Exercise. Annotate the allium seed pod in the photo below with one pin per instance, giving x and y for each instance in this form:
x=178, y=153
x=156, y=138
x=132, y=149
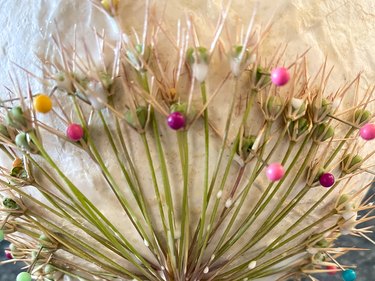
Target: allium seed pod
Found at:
x=298, y=129
x=63, y=82
x=24, y=142
x=295, y=109
x=320, y=109
x=237, y=63
x=351, y=163
x=272, y=107
x=323, y=132
x=9, y=203
x=141, y=114
x=15, y=118
x=198, y=59
x=361, y=117
x=246, y=147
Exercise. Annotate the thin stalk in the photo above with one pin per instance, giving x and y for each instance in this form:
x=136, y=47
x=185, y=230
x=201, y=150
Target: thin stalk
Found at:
x=339, y=147
x=266, y=227
x=131, y=185
x=185, y=231
x=271, y=246
x=209, y=232
x=116, y=190
x=86, y=204
x=221, y=250
x=202, y=221
x=301, y=170
x=217, y=166
x=251, y=218
x=140, y=199
x=125, y=204
x=168, y=193
x=155, y=183
x=75, y=246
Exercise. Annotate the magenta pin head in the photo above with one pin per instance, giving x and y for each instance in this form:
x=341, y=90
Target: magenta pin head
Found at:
x=74, y=132
x=275, y=171
x=176, y=120
x=8, y=255
x=280, y=76
x=327, y=179
x=367, y=132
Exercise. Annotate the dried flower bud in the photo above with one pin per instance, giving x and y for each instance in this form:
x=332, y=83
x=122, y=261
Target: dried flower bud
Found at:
x=110, y=5
x=323, y=243
x=4, y=131
x=361, y=117
x=19, y=172
x=144, y=51
x=351, y=163
x=64, y=83
x=179, y=107
x=323, y=132
x=15, y=118
x=320, y=257
x=237, y=64
x=47, y=242
x=106, y=80
x=246, y=146
x=141, y=114
x=272, y=107
x=295, y=109
x=343, y=199
x=48, y=269
x=97, y=95
x=299, y=128
x=10, y=204
x=313, y=174
x=198, y=59
x=321, y=110
x=24, y=142
x=262, y=77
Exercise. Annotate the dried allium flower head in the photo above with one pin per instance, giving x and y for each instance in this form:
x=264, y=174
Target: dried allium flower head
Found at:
x=165, y=147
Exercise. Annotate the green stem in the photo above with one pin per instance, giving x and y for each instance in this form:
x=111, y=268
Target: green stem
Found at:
x=168, y=194
x=184, y=240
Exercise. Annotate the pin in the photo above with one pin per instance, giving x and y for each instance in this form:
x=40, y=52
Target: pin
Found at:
x=275, y=171
x=327, y=179
x=367, y=132
x=280, y=76
x=176, y=120
x=332, y=270
x=335, y=261
x=8, y=255
x=24, y=276
x=74, y=132
x=42, y=103
x=349, y=275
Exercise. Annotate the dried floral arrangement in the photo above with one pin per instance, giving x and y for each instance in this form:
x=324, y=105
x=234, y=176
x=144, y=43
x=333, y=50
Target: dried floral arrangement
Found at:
x=196, y=161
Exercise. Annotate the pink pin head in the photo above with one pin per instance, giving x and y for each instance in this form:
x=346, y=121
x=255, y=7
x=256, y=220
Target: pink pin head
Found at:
x=367, y=132
x=176, y=120
x=280, y=76
x=332, y=270
x=74, y=132
x=275, y=171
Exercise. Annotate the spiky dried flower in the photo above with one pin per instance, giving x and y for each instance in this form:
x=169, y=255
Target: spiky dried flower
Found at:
x=143, y=202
